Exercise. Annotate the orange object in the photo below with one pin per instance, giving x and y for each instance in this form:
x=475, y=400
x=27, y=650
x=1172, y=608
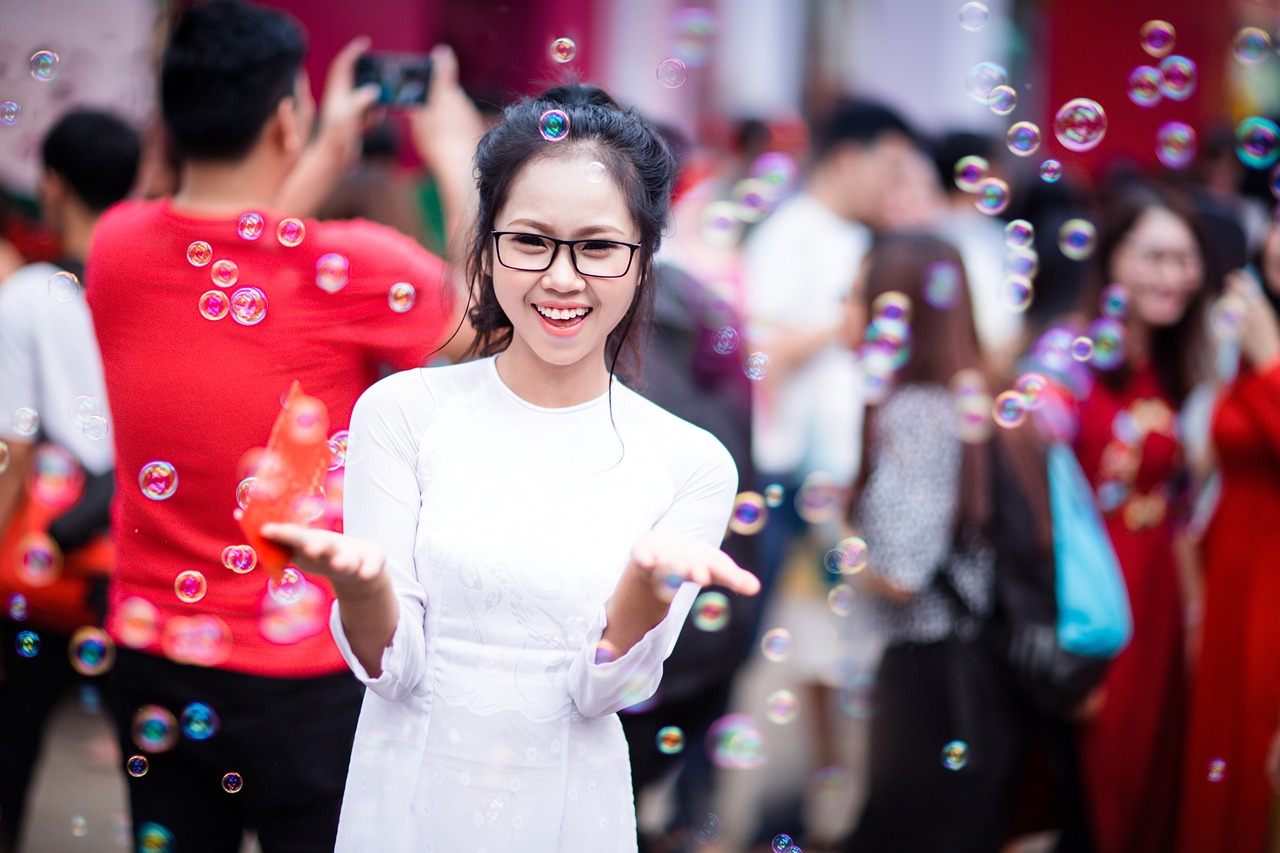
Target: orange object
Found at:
x=289, y=476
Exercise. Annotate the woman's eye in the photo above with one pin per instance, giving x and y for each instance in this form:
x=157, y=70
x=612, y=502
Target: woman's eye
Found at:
x=530, y=243
x=598, y=247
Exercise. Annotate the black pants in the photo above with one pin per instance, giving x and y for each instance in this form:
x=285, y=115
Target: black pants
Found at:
x=915, y=803
x=288, y=739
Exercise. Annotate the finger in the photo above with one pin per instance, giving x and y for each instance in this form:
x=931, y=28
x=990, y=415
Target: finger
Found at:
x=288, y=534
x=372, y=565
x=365, y=97
x=444, y=71
x=342, y=70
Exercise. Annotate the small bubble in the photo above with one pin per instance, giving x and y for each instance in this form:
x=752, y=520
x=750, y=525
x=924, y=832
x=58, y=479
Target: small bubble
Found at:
x=840, y=599
x=199, y=253
x=1016, y=293
x=338, y=444
x=45, y=66
x=725, y=340
x=672, y=73
x=239, y=558
x=720, y=223
x=10, y=113
x=18, y=609
x=1176, y=144
x=670, y=740
x=781, y=707
x=401, y=297
x=1251, y=46
x=25, y=422
x=214, y=305
x=1023, y=138
x=248, y=306
x=1080, y=124
x=290, y=232
x=95, y=428
x=154, y=729
x=1217, y=770
x=563, y=50
x=955, y=755
x=1109, y=343
x=749, y=514
x=969, y=171
x=332, y=272
x=1076, y=238
x=776, y=644
x=773, y=495
x=711, y=611
x=232, y=782
x=554, y=125
x=991, y=196
x=1258, y=142
x=756, y=366
x=190, y=586
x=79, y=826
x=1114, y=301
x=137, y=766
x=91, y=651
x=1082, y=348
x=158, y=480
x=199, y=722
x=288, y=588
x=1177, y=78
x=941, y=284
x=594, y=171
x=64, y=286
x=1144, y=85
x=1019, y=234
x=1050, y=171
x=708, y=829
x=1003, y=100
x=983, y=79
x=224, y=273
x=1156, y=37
x=250, y=226
x=154, y=838
x=27, y=643
x=1009, y=409
x=974, y=16
x=1031, y=386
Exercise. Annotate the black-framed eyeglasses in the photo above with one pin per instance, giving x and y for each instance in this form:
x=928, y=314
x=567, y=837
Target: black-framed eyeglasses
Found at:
x=592, y=257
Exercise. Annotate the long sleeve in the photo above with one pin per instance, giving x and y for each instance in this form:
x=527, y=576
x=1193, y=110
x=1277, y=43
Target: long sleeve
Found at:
x=381, y=501
x=1260, y=394
x=907, y=509
x=700, y=508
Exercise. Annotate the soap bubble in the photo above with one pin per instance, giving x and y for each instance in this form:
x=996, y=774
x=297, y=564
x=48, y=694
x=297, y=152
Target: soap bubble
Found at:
x=154, y=729
x=64, y=286
x=214, y=305
x=199, y=721
x=232, y=782
x=840, y=599
x=670, y=740
x=45, y=66
x=1080, y=124
x=1019, y=234
x=27, y=644
x=248, y=306
x=239, y=558
x=1031, y=386
x=401, y=297
x=1016, y=293
x=1144, y=85
x=1023, y=138
x=1178, y=78
x=1251, y=46
x=1156, y=37
x=672, y=73
x=969, y=171
x=1109, y=343
x=711, y=611
x=563, y=50
x=749, y=514
x=776, y=644
x=91, y=651
x=955, y=755
x=554, y=125
x=224, y=273
x=1217, y=770
x=1003, y=100
x=756, y=366
x=10, y=113
x=1176, y=144
x=1082, y=348
x=941, y=284
x=781, y=707
x=725, y=340
x=250, y=226
x=595, y=171
x=1050, y=171
x=1009, y=409
x=1076, y=238
x=1258, y=142
x=190, y=586
x=137, y=765
x=734, y=742
x=991, y=196
x=973, y=16
x=983, y=79
x=1114, y=301
x=289, y=587
x=199, y=253
x=158, y=480
x=783, y=843
x=290, y=232
x=332, y=272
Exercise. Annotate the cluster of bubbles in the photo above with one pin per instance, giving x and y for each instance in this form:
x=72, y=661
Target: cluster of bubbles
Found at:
x=88, y=414
x=848, y=557
x=770, y=178
x=240, y=559
x=158, y=480
x=886, y=343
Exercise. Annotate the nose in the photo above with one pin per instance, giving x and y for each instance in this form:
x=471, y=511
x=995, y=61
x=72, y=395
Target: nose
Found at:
x=561, y=276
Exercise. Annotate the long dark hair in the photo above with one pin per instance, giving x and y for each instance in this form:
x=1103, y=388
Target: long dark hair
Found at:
x=1178, y=351
x=635, y=157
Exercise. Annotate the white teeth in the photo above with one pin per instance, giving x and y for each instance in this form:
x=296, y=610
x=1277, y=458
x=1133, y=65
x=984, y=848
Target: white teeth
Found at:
x=561, y=313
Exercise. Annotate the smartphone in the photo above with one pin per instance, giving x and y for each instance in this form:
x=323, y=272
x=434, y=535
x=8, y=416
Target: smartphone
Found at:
x=402, y=78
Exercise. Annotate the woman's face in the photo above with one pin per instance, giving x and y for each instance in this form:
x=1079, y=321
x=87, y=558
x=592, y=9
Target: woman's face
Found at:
x=561, y=316
x=1159, y=263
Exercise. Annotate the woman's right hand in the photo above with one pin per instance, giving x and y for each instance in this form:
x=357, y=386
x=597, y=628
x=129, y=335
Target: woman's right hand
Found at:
x=1259, y=327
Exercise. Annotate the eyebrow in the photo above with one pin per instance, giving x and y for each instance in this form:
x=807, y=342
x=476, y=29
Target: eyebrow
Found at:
x=587, y=231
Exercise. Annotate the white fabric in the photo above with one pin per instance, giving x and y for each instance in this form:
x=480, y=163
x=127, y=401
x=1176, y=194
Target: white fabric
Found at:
x=800, y=264
x=48, y=357
x=491, y=728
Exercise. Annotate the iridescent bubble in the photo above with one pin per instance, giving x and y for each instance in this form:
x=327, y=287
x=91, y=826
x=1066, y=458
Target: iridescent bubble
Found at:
x=1144, y=85
x=563, y=50
x=154, y=729
x=756, y=366
x=783, y=843
x=1258, y=142
x=1019, y=234
x=79, y=826
x=982, y=80
x=199, y=722
x=840, y=599
x=693, y=31
x=1003, y=100
x=672, y=73
x=1217, y=770
x=401, y=297
x=781, y=707
x=1076, y=238
x=332, y=272
x=214, y=305
x=224, y=273
x=955, y=755
x=290, y=232
x=1178, y=78
x=853, y=554
x=1080, y=124
x=554, y=125
x=27, y=643
x=973, y=16
x=137, y=766
x=1176, y=144
x=893, y=305
x=1050, y=171
x=720, y=225
x=45, y=66
x=776, y=644
x=91, y=651
x=1109, y=343
x=250, y=226
x=239, y=558
x=190, y=586
x=158, y=480
x=244, y=491
x=1009, y=409
x=605, y=653
x=248, y=306
x=941, y=284
x=39, y=560
x=338, y=444
x=1082, y=348
x=969, y=171
x=819, y=498
x=64, y=286
x=83, y=407
x=670, y=740
x=232, y=782
x=1021, y=262
x=749, y=514
x=199, y=253
x=154, y=838
x=26, y=422
x=725, y=340
x=755, y=199
x=137, y=622
x=1156, y=37
x=1251, y=46
x=773, y=495
x=1114, y=301
x=10, y=113
x=1016, y=293
x=289, y=587
x=595, y=171
x=1031, y=386
x=18, y=609
x=734, y=741
x=991, y=196
x=711, y=611
x=708, y=829
x=776, y=168
x=1023, y=138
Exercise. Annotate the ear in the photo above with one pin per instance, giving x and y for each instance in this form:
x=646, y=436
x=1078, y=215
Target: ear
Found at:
x=288, y=126
x=52, y=189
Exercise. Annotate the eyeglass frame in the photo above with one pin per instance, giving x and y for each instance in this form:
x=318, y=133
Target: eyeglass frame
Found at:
x=573, y=254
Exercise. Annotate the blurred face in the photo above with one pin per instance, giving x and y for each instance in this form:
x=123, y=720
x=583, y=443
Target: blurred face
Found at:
x=870, y=174
x=1159, y=262
x=561, y=316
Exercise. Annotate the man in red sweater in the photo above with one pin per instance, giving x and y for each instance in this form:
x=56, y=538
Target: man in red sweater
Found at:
x=234, y=707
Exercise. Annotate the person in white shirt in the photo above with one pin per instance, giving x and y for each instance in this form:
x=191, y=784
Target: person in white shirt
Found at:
x=524, y=535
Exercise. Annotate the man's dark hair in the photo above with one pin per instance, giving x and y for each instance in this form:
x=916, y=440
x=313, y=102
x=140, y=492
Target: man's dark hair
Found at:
x=96, y=154
x=860, y=122
x=226, y=68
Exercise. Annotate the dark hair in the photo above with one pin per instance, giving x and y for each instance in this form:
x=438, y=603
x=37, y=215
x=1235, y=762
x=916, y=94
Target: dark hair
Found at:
x=634, y=155
x=1178, y=351
x=952, y=147
x=860, y=122
x=226, y=68
x=945, y=342
x=96, y=154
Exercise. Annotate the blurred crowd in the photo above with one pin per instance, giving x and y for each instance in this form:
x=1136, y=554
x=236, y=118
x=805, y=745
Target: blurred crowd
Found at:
x=895, y=334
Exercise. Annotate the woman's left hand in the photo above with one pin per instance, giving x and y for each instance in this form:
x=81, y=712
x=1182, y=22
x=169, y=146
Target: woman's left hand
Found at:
x=1259, y=327
x=667, y=560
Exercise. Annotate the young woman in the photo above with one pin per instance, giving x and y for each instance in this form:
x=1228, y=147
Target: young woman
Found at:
x=1128, y=446
x=524, y=535
x=1235, y=704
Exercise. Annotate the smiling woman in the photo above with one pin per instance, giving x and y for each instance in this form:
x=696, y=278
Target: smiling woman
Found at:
x=502, y=605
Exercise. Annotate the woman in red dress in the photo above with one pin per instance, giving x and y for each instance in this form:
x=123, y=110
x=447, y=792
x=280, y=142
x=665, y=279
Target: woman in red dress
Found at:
x=1145, y=364
x=1236, y=701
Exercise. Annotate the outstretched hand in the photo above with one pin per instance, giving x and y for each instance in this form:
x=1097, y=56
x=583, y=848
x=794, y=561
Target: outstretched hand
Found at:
x=344, y=110
x=667, y=560
x=446, y=129
x=345, y=560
